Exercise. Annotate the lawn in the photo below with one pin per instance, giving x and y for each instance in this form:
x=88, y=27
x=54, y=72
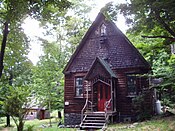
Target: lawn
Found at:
x=38, y=125
x=157, y=123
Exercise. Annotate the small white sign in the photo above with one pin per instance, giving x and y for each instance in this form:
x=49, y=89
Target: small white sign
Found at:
x=66, y=103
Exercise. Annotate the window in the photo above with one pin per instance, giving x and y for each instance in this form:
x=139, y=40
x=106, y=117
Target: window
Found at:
x=79, y=87
x=103, y=30
x=131, y=83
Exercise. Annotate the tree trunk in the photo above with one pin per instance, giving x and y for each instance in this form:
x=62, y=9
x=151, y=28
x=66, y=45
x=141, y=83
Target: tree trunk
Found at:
x=20, y=126
x=8, y=120
x=50, y=113
x=3, y=45
x=10, y=83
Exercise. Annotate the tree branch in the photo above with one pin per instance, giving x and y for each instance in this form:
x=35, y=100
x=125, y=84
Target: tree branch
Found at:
x=166, y=37
x=164, y=24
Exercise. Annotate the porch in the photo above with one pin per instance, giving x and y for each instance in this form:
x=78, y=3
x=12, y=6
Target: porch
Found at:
x=100, y=91
x=100, y=105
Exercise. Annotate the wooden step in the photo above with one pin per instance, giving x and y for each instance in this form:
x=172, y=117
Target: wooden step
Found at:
x=95, y=113
x=95, y=117
x=99, y=115
x=94, y=120
x=91, y=127
x=93, y=123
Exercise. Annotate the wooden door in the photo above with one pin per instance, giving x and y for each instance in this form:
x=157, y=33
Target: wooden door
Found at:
x=104, y=94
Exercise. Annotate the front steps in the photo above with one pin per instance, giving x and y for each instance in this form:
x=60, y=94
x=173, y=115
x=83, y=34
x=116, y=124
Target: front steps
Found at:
x=93, y=120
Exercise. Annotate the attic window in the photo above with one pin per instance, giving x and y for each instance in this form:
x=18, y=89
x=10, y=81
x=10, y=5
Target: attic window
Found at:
x=103, y=30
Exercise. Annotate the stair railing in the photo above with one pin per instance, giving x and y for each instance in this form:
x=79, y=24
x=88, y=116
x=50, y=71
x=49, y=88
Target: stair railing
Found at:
x=107, y=103
x=86, y=103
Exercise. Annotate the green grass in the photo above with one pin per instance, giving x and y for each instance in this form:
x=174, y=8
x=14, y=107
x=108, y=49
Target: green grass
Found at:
x=155, y=124
x=38, y=125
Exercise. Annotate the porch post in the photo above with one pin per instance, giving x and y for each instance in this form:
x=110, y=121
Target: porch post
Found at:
x=92, y=95
x=112, y=94
x=115, y=98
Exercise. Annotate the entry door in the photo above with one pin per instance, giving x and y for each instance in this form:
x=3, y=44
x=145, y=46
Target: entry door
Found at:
x=104, y=94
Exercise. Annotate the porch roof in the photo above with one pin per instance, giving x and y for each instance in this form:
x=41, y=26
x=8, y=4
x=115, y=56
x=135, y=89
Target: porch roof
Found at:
x=104, y=64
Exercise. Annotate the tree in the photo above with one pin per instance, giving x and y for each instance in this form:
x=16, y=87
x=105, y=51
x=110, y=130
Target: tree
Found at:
x=15, y=57
x=162, y=63
x=49, y=78
x=67, y=32
x=14, y=11
x=17, y=103
x=15, y=93
x=152, y=19
x=150, y=16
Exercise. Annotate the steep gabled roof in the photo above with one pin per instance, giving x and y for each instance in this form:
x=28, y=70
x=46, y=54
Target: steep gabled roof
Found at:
x=122, y=53
x=103, y=64
x=132, y=46
x=98, y=18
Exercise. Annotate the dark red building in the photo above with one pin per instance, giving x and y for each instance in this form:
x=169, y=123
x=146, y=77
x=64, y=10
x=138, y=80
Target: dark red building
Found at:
x=103, y=76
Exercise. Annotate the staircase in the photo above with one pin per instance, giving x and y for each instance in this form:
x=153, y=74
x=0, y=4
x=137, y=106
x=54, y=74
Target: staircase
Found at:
x=93, y=120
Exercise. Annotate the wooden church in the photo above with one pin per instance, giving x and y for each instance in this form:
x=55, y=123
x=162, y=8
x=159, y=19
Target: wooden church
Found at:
x=103, y=76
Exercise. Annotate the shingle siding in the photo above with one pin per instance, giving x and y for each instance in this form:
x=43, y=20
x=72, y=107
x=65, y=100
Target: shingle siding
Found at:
x=117, y=49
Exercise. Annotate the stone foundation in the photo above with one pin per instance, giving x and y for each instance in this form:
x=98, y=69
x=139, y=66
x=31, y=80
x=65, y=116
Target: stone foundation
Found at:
x=72, y=119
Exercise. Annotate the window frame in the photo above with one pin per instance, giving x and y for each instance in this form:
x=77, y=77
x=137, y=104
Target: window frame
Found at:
x=131, y=85
x=79, y=87
x=103, y=31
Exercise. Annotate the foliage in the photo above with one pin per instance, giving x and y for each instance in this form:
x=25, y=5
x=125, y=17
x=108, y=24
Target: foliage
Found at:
x=48, y=76
x=16, y=78
x=148, y=15
x=30, y=128
x=67, y=31
x=154, y=19
x=14, y=12
x=16, y=103
x=15, y=90
x=140, y=108
x=17, y=70
x=109, y=10
x=162, y=62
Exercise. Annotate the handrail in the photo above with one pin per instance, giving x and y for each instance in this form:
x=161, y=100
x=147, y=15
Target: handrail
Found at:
x=107, y=105
x=106, y=110
x=87, y=93
x=85, y=108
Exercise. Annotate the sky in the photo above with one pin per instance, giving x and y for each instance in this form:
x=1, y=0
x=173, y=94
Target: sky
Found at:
x=33, y=31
